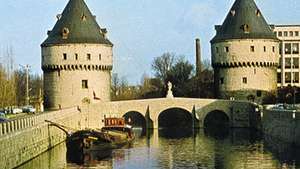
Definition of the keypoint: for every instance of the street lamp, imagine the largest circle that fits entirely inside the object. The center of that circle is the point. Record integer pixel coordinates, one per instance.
(26, 67)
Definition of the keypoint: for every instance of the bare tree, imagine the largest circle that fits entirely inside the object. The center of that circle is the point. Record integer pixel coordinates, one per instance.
(162, 65)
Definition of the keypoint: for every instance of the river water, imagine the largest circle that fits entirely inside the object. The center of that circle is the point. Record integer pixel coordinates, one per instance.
(188, 149)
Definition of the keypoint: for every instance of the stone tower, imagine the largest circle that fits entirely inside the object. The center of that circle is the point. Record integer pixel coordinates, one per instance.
(76, 59)
(245, 55)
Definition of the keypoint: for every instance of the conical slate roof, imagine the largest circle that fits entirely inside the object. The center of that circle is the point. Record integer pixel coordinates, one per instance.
(244, 21)
(76, 25)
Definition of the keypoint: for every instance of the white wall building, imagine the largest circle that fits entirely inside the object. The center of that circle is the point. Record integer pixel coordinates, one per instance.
(288, 70)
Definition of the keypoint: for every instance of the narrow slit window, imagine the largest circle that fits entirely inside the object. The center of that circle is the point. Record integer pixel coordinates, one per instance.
(65, 57)
(76, 56)
(226, 49)
(85, 84)
(252, 49)
(245, 81)
(100, 57)
(88, 56)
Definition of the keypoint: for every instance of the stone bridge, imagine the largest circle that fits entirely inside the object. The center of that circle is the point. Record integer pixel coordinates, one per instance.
(151, 111)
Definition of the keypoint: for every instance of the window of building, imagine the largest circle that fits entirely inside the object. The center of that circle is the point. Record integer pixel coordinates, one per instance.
(65, 56)
(295, 47)
(76, 56)
(254, 71)
(285, 33)
(280, 33)
(280, 48)
(58, 73)
(88, 56)
(273, 49)
(221, 80)
(265, 48)
(245, 80)
(217, 50)
(99, 56)
(278, 77)
(275, 33)
(258, 93)
(296, 77)
(287, 48)
(288, 77)
(85, 84)
(280, 63)
(252, 49)
(296, 33)
(288, 63)
(291, 33)
(296, 63)
(226, 49)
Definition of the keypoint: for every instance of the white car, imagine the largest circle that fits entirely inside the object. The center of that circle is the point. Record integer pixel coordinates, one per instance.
(29, 109)
(16, 111)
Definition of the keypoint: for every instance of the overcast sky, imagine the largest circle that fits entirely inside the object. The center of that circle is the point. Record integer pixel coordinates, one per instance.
(139, 29)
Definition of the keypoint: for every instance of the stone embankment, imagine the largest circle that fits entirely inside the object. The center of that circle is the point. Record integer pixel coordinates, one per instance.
(25, 138)
(281, 124)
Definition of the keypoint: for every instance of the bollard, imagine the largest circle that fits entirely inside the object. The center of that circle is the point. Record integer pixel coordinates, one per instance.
(8, 127)
(4, 125)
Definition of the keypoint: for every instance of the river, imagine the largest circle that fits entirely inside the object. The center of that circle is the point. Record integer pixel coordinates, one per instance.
(188, 149)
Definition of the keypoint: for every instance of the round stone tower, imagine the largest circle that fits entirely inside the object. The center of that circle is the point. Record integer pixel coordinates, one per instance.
(76, 59)
(245, 55)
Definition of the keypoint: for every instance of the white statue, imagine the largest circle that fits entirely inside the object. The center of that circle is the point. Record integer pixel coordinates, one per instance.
(170, 92)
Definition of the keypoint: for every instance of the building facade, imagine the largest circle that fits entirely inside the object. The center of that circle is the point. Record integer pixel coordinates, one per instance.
(76, 59)
(245, 55)
(288, 69)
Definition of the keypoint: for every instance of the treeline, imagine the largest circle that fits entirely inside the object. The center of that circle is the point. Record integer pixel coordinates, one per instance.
(13, 83)
(167, 67)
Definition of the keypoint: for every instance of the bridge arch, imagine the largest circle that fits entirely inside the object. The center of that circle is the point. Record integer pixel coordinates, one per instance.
(175, 117)
(136, 119)
(216, 123)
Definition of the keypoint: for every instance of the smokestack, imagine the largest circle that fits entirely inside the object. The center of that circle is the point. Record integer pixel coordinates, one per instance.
(198, 58)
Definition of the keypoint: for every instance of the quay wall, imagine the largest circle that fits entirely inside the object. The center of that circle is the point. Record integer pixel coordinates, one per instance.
(25, 138)
(281, 125)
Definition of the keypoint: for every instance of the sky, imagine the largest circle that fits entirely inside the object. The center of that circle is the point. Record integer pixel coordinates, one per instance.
(139, 29)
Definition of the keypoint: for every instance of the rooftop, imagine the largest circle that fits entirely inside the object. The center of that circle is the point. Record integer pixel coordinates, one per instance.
(76, 25)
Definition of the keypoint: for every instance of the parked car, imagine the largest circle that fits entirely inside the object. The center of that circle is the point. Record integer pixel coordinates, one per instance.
(29, 109)
(16, 111)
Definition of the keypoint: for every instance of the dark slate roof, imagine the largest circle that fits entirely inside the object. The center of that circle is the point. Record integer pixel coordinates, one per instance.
(80, 24)
(244, 21)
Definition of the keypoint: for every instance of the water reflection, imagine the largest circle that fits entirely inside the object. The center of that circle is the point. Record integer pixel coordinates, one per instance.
(183, 148)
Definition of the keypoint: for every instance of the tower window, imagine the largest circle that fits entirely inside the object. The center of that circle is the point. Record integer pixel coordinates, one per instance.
(252, 49)
(226, 49)
(285, 33)
(296, 33)
(88, 56)
(65, 56)
(85, 84)
(221, 80)
(76, 56)
(245, 80)
(265, 48)
(273, 49)
(279, 33)
(258, 93)
(291, 33)
(99, 56)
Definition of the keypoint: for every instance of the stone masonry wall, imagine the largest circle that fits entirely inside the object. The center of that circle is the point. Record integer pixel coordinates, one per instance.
(25, 138)
(283, 125)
